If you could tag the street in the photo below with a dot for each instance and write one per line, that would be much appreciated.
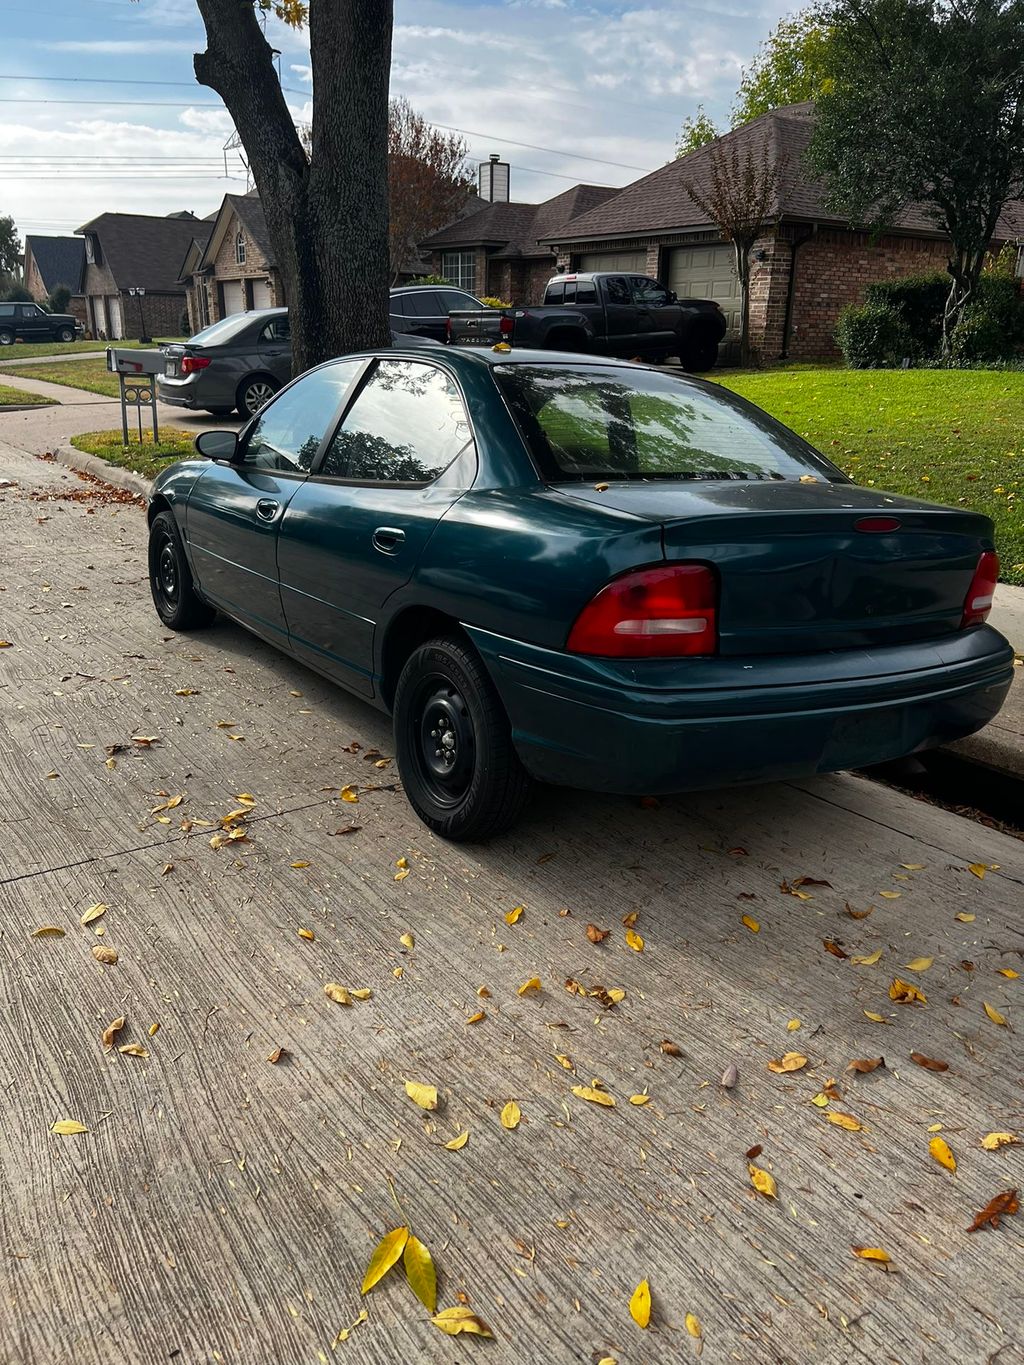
(223, 1206)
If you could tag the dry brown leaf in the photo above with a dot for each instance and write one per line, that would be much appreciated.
(597, 935)
(729, 1076)
(104, 954)
(630, 920)
(752, 1153)
(790, 1061)
(997, 1207)
(858, 914)
(994, 1014)
(929, 1063)
(993, 1141)
(112, 1030)
(832, 947)
(47, 931)
(905, 993)
(511, 1115)
(276, 1056)
(423, 1095)
(669, 1048)
(865, 1065)
(454, 1321)
(640, 1304)
(339, 994)
(762, 1182)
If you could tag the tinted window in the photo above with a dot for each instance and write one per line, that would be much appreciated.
(648, 292)
(6, 310)
(288, 431)
(623, 424)
(423, 304)
(570, 292)
(451, 301)
(226, 330)
(407, 426)
(396, 306)
(617, 290)
(586, 291)
(555, 293)
(277, 329)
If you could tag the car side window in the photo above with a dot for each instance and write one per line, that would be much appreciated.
(6, 310)
(617, 290)
(586, 291)
(570, 292)
(277, 329)
(422, 304)
(287, 433)
(451, 301)
(407, 425)
(648, 292)
(396, 306)
(554, 292)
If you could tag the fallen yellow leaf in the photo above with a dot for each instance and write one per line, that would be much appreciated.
(904, 993)
(793, 1025)
(762, 1181)
(565, 1062)
(875, 1018)
(868, 961)
(108, 956)
(477, 1018)
(420, 1272)
(846, 1121)
(791, 1061)
(402, 873)
(872, 1254)
(994, 1014)
(510, 1115)
(634, 941)
(339, 994)
(308, 935)
(385, 1255)
(363, 993)
(93, 913)
(457, 1143)
(407, 941)
(530, 987)
(453, 1321)
(1008, 972)
(68, 1127)
(640, 1304)
(941, 1152)
(515, 915)
(913, 867)
(964, 917)
(751, 923)
(993, 1141)
(693, 1325)
(348, 794)
(47, 931)
(423, 1095)
(588, 1092)
(639, 1099)
(133, 1050)
(919, 964)
(979, 870)
(820, 1099)
(301, 863)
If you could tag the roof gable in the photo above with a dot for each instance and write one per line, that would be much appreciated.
(140, 249)
(248, 210)
(516, 227)
(59, 260)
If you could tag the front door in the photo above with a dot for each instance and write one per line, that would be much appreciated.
(235, 511)
(353, 533)
(33, 323)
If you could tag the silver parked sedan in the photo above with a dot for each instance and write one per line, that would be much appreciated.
(237, 363)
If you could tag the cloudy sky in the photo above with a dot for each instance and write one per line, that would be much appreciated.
(101, 110)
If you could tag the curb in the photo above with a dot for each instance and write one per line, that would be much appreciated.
(100, 469)
(28, 407)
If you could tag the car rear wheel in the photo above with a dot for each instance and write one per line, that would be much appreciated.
(66, 334)
(6, 338)
(178, 604)
(454, 745)
(254, 393)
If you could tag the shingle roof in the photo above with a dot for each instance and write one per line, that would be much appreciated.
(659, 203)
(516, 227)
(251, 216)
(59, 260)
(140, 249)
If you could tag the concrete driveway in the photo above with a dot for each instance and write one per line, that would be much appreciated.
(223, 1206)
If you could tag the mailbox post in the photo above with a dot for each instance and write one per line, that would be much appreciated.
(137, 371)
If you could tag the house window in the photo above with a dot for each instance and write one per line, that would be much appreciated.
(460, 268)
(240, 247)
(92, 249)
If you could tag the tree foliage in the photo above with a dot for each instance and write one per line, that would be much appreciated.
(697, 131)
(926, 107)
(10, 248)
(60, 297)
(428, 181)
(741, 198)
(793, 64)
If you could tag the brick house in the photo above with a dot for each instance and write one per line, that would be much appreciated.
(54, 261)
(126, 251)
(807, 267)
(231, 268)
(497, 251)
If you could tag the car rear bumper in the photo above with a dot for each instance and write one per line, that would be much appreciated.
(666, 726)
(180, 393)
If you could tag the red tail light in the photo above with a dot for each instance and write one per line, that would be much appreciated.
(506, 327)
(978, 602)
(660, 613)
(191, 363)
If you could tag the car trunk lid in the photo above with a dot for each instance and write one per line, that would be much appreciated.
(813, 565)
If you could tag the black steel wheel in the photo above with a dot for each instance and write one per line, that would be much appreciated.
(454, 744)
(178, 604)
(698, 353)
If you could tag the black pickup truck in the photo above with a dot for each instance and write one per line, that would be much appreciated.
(29, 322)
(608, 314)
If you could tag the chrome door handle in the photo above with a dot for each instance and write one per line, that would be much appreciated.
(388, 539)
(267, 509)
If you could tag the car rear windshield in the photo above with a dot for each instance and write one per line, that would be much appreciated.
(224, 330)
(620, 423)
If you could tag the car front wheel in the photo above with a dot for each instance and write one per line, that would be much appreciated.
(66, 334)
(6, 338)
(178, 604)
(698, 353)
(454, 745)
(254, 393)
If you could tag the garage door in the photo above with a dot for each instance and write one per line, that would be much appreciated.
(261, 294)
(629, 262)
(234, 297)
(115, 319)
(707, 272)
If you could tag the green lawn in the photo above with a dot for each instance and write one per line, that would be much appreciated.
(8, 396)
(145, 459)
(953, 436)
(23, 349)
(92, 375)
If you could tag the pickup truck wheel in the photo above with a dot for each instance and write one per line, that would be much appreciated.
(66, 334)
(454, 745)
(178, 604)
(6, 338)
(698, 353)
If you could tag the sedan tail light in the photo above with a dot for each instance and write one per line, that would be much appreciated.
(191, 363)
(978, 602)
(667, 612)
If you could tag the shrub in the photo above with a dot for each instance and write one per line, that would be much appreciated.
(18, 294)
(921, 300)
(991, 326)
(59, 299)
(495, 303)
(431, 279)
(871, 335)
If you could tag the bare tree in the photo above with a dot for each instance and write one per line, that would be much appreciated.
(740, 197)
(327, 212)
(428, 181)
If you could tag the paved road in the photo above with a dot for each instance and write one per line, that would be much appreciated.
(223, 1208)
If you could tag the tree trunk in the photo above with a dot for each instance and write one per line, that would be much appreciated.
(741, 251)
(965, 269)
(327, 216)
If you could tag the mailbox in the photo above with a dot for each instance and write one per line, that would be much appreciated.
(122, 360)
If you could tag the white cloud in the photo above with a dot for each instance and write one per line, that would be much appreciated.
(117, 47)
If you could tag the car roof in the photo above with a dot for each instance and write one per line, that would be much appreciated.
(487, 357)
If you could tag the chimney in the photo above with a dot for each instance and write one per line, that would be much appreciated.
(494, 177)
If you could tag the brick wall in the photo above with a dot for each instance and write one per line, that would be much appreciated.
(226, 267)
(33, 279)
(162, 313)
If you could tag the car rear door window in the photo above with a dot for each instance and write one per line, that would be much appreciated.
(277, 329)
(288, 432)
(424, 303)
(407, 424)
(617, 290)
(586, 291)
(555, 292)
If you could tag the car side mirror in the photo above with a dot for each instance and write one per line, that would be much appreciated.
(218, 445)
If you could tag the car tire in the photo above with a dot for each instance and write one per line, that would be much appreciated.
(254, 393)
(6, 337)
(220, 412)
(66, 334)
(698, 353)
(177, 603)
(445, 703)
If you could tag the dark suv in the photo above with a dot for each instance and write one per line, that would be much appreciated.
(422, 309)
(29, 322)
